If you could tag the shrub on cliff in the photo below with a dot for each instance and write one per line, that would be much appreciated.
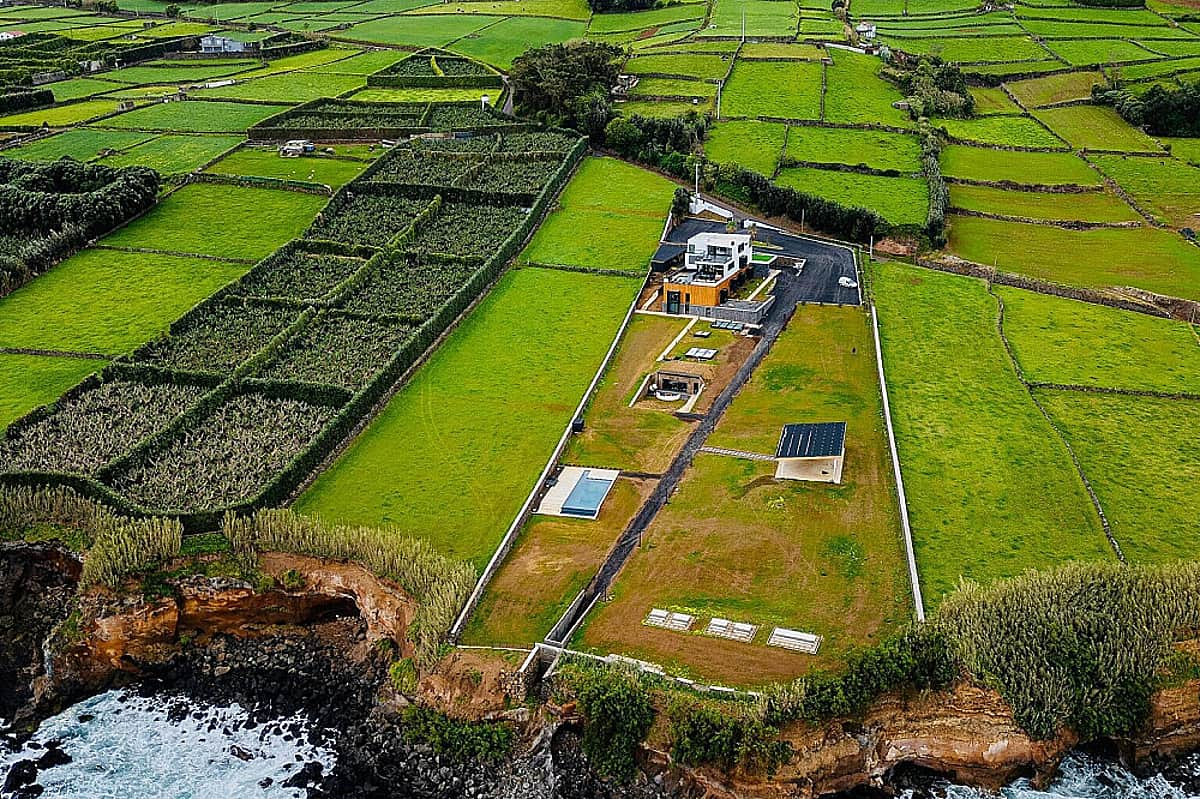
(617, 713)
(724, 735)
(439, 584)
(489, 741)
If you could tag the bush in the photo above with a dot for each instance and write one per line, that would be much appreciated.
(939, 194)
(122, 547)
(933, 87)
(617, 710)
(489, 741)
(703, 732)
(1161, 111)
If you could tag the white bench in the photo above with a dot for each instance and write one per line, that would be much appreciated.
(733, 630)
(658, 617)
(795, 640)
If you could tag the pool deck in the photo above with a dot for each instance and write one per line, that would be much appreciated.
(563, 493)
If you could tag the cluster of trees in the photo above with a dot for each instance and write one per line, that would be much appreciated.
(567, 85)
(931, 86)
(668, 144)
(19, 98)
(1161, 111)
(41, 198)
(939, 193)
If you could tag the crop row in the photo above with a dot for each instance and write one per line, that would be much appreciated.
(339, 350)
(513, 176)
(217, 337)
(87, 430)
(294, 273)
(462, 229)
(407, 285)
(226, 457)
(366, 219)
(431, 168)
(537, 141)
(458, 144)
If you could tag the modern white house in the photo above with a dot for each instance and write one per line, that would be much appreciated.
(865, 31)
(7, 35)
(712, 263)
(213, 43)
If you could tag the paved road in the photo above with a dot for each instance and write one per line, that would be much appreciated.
(788, 290)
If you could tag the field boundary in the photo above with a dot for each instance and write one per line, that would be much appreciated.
(909, 551)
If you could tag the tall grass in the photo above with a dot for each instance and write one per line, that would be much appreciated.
(438, 584)
(22, 506)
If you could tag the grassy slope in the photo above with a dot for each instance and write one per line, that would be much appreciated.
(753, 144)
(1087, 207)
(27, 381)
(1045, 169)
(991, 490)
(263, 162)
(195, 117)
(452, 456)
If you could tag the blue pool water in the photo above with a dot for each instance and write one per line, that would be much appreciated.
(587, 495)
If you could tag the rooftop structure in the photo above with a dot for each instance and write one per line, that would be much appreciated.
(811, 452)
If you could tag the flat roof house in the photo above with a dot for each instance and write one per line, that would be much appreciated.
(813, 452)
(225, 44)
(712, 264)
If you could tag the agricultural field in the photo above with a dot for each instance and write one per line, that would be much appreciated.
(1023, 168)
(28, 381)
(867, 148)
(753, 144)
(968, 435)
(1084, 206)
(266, 163)
(174, 154)
(900, 200)
(194, 117)
(785, 90)
(1164, 186)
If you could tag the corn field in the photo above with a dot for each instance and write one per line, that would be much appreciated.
(440, 585)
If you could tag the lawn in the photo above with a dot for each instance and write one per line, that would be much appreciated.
(1068, 342)
(1155, 260)
(174, 154)
(734, 542)
(762, 18)
(1042, 169)
(81, 145)
(554, 559)
(856, 94)
(1055, 88)
(632, 219)
(61, 115)
(1143, 470)
(753, 144)
(622, 21)
(266, 163)
(783, 89)
(701, 67)
(499, 44)
(107, 301)
(1085, 207)
(1164, 186)
(616, 436)
(872, 148)
(1015, 131)
(901, 201)
(991, 489)
(78, 88)
(194, 116)
(1093, 127)
(223, 221)
(430, 31)
(29, 381)
(993, 100)
(452, 456)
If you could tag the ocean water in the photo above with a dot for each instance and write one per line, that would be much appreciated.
(126, 746)
(1086, 777)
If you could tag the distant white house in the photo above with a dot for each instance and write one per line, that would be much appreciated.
(213, 43)
(7, 35)
(865, 30)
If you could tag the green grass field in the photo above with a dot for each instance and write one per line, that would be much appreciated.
(562, 9)
(1165, 187)
(991, 489)
(753, 144)
(78, 88)
(106, 301)
(1156, 260)
(762, 18)
(674, 87)
(499, 44)
(701, 66)
(1143, 470)
(195, 117)
(993, 100)
(871, 148)
(1055, 88)
(173, 154)
(265, 162)
(788, 90)
(734, 542)
(1095, 128)
(58, 116)
(1042, 169)
(289, 88)
(79, 144)
(1077, 343)
(431, 31)
(632, 219)
(856, 94)
(1011, 131)
(622, 21)
(223, 221)
(1086, 207)
(901, 201)
(452, 456)
(28, 381)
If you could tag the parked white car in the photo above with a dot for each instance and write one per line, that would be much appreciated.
(847, 283)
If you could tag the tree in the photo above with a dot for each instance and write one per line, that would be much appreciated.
(622, 135)
(566, 84)
(172, 10)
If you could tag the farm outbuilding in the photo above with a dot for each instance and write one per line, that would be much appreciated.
(814, 452)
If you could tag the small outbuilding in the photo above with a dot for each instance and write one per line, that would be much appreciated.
(814, 452)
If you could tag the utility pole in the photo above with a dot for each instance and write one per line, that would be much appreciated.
(803, 211)
(697, 180)
(743, 24)
(720, 85)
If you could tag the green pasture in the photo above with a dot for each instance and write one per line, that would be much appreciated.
(195, 116)
(107, 301)
(78, 88)
(750, 143)
(57, 116)
(993, 100)
(289, 87)
(1098, 52)
(1140, 466)
(266, 163)
(856, 94)
(701, 67)
(622, 21)
(787, 90)
(1155, 260)
(1055, 88)
(1012, 131)
(1166, 187)
(871, 148)
(78, 143)
(430, 31)
(30, 381)
(1042, 169)
(499, 44)
(991, 489)
(452, 456)
(1093, 127)
(221, 221)
(174, 154)
(901, 201)
(177, 73)
(674, 87)
(972, 49)
(762, 18)
(1083, 207)
(561, 9)
(1068, 342)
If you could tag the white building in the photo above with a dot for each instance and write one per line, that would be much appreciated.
(865, 30)
(224, 44)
